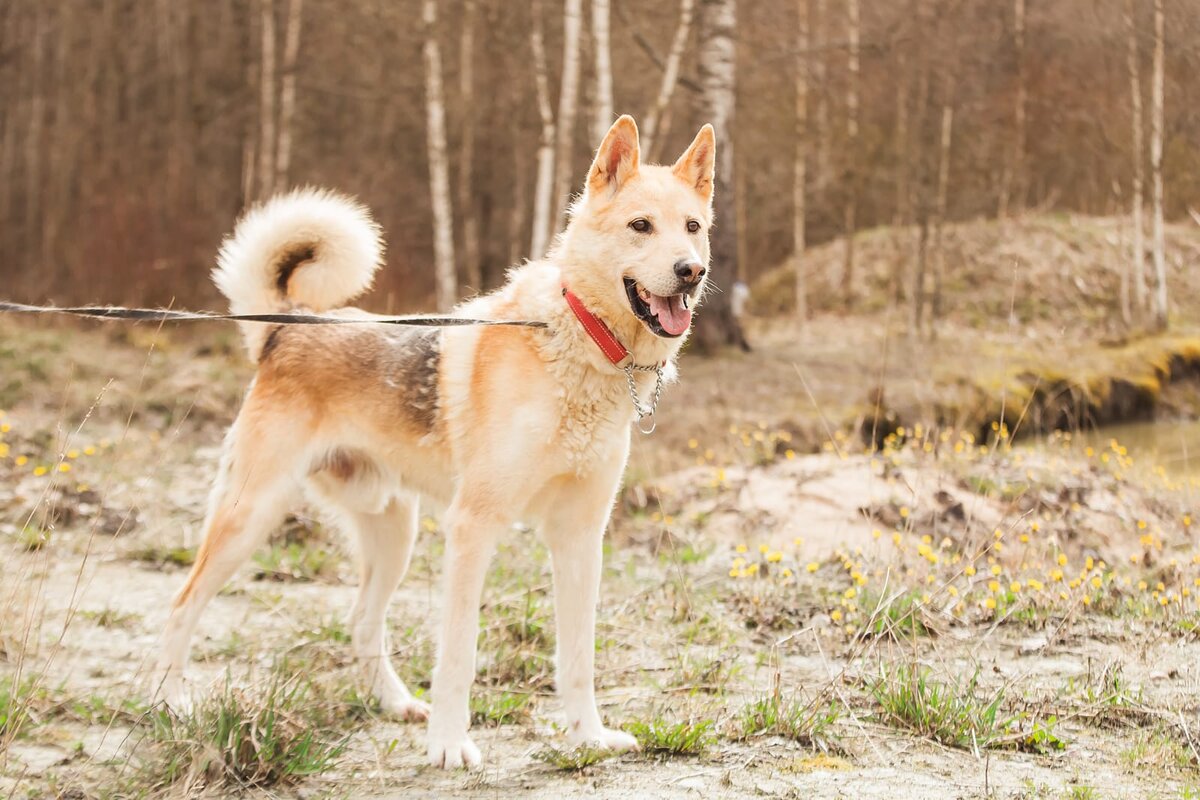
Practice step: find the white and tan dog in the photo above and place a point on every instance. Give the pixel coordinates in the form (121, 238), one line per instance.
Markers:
(500, 423)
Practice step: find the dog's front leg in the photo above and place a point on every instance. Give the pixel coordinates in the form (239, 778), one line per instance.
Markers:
(575, 533)
(470, 539)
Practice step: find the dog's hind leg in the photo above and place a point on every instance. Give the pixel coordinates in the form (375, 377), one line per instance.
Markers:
(253, 492)
(386, 544)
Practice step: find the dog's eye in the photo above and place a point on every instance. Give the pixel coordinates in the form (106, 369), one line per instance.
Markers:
(641, 225)
(693, 226)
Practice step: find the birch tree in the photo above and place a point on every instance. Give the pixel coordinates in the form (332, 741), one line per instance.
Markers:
(468, 218)
(850, 211)
(717, 325)
(656, 119)
(800, 170)
(544, 187)
(287, 93)
(445, 280)
(1156, 154)
(603, 115)
(1013, 177)
(1136, 269)
(568, 103)
(266, 110)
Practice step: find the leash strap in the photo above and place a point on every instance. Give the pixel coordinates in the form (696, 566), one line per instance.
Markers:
(166, 315)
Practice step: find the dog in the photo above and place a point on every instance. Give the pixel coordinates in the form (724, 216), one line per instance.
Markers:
(501, 424)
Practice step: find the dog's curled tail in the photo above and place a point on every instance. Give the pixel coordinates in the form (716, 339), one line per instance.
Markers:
(311, 248)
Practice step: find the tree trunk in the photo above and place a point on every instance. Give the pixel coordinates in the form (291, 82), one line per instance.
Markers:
(266, 92)
(445, 279)
(943, 187)
(1013, 177)
(1138, 256)
(1156, 153)
(287, 94)
(544, 187)
(820, 80)
(649, 132)
(568, 100)
(716, 325)
(603, 111)
(850, 212)
(800, 170)
(467, 214)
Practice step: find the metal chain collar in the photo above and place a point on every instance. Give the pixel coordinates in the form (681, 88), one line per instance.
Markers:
(644, 412)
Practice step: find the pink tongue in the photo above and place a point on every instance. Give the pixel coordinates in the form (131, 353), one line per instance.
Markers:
(671, 314)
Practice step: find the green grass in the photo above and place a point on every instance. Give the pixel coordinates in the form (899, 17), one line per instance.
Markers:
(16, 698)
(500, 708)
(297, 561)
(276, 733)
(948, 711)
(898, 617)
(660, 737)
(576, 759)
(808, 723)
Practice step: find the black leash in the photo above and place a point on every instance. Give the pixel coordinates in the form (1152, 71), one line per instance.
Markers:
(165, 315)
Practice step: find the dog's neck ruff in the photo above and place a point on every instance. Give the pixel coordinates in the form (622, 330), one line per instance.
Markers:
(619, 357)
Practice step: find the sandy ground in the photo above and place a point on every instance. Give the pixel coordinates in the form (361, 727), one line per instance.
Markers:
(680, 636)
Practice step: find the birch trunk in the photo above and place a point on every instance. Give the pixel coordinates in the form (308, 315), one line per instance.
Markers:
(1156, 153)
(468, 219)
(800, 171)
(445, 280)
(716, 325)
(943, 187)
(820, 79)
(649, 132)
(850, 212)
(1013, 177)
(604, 115)
(266, 93)
(287, 94)
(1138, 256)
(544, 187)
(568, 100)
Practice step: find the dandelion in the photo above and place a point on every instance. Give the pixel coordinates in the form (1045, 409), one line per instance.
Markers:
(775, 557)
(904, 512)
(1014, 587)
(1062, 559)
(787, 573)
(762, 548)
(993, 586)
(40, 471)
(835, 615)
(72, 454)
(741, 548)
(1141, 523)
(996, 569)
(64, 467)
(812, 566)
(969, 571)
(21, 461)
(850, 593)
(990, 604)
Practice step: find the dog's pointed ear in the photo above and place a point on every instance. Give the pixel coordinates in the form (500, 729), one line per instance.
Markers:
(617, 159)
(698, 163)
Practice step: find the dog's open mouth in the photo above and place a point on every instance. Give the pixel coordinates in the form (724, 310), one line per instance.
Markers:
(665, 316)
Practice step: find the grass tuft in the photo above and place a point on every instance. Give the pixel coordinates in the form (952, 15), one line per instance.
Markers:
(289, 729)
(950, 711)
(673, 738)
(576, 759)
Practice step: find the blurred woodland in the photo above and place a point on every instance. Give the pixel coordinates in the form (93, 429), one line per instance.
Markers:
(135, 131)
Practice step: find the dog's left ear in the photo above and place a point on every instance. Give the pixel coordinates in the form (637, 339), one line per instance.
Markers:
(617, 159)
(696, 166)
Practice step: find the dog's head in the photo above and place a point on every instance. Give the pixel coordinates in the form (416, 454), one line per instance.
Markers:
(636, 250)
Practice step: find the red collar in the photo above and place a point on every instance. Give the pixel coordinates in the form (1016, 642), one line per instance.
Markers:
(613, 350)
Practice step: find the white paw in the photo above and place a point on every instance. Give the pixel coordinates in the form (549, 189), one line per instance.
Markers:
(453, 752)
(607, 738)
(405, 707)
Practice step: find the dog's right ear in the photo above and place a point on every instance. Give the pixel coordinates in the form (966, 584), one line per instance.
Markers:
(617, 159)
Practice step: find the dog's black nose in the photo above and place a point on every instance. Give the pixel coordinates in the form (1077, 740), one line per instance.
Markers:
(690, 271)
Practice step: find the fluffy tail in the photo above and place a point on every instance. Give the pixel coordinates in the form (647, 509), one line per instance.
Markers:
(310, 248)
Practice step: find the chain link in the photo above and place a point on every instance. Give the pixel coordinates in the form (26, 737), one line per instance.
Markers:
(642, 411)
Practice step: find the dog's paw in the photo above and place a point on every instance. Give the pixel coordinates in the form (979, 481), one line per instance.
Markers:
(404, 707)
(609, 739)
(453, 752)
